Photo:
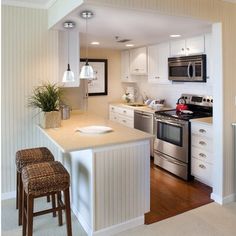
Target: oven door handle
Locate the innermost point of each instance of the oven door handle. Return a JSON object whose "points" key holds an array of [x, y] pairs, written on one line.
{"points": [[168, 159], [168, 122]]}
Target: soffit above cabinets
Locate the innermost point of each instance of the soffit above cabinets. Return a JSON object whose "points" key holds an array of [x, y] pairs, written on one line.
{"points": [[42, 4], [142, 27]]}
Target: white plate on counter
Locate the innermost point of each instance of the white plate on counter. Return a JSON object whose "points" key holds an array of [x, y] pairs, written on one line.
{"points": [[94, 129]]}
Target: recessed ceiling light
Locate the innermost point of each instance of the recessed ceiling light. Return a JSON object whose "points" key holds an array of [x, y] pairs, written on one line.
{"points": [[129, 45], [175, 35], [95, 43]]}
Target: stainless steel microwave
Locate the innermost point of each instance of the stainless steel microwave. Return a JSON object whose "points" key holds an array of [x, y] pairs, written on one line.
{"points": [[187, 68]]}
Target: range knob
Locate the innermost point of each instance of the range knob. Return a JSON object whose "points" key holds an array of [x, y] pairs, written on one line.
{"points": [[212, 100], [208, 100], [186, 97], [204, 99]]}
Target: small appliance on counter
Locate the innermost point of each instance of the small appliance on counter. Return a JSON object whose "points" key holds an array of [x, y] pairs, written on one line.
{"points": [[65, 112], [181, 104]]}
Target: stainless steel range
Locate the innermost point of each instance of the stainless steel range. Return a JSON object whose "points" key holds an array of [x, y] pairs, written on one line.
{"points": [[173, 140]]}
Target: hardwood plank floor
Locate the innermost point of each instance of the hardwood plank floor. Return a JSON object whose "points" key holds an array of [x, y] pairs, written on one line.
{"points": [[171, 195]]}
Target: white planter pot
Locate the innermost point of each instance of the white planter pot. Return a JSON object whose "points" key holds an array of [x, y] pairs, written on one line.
{"points": [[50, 119]]}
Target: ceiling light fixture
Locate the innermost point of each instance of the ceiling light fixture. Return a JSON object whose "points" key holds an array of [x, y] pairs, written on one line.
{"points": [[95, 43], [129, 45], [175, 35], [68, 74], [87, 70]]}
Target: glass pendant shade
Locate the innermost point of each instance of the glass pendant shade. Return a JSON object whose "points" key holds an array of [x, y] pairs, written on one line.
{"points": [[87, 72], [68, 75]]}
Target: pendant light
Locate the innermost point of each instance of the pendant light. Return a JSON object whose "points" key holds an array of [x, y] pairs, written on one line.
{"points": [[68, 74], [87, 70]]}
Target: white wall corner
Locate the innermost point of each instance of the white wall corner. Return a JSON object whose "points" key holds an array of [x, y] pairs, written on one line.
{"points": [[60, 10]]}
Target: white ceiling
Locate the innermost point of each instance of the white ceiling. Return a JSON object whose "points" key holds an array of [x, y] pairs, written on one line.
{"points": [[144, 28]]}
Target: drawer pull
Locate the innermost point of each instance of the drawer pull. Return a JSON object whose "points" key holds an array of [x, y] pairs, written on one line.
{"points": [[202, 143], [202, 166], [202, 131], [124, 121], [202, 155], [124, 111]]}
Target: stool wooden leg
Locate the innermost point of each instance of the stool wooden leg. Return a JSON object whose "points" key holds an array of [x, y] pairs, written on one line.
{"points": [[67, 210], [20, 194], [54, 214], [30, 210], [23, 203], [60, 221], [17, 182]]}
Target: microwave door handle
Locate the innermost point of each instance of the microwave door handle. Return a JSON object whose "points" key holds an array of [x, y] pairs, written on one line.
{"points": [[188, 70]]}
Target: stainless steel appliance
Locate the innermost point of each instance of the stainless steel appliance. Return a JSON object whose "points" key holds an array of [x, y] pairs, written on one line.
{"points": [[188, 68], [172, 142], [144, 121]]}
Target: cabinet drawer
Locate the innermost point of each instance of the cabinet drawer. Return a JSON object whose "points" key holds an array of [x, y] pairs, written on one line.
{"points": [[114, 116], [202, 171], [113, 108], [202, 143], [126, 112], [129, 122], [202, 130], [202, 154]]}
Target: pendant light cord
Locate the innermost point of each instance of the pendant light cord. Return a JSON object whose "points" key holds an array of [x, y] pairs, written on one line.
{"points": [[86, 38], [68, 49]]}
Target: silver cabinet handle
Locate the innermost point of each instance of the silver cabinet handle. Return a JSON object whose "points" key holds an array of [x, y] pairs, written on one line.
{"points": [[202, 131], [188, 49], [202, 155], [124, 111], [202, 166], [124, 121], [202, 143], [182, 49]]}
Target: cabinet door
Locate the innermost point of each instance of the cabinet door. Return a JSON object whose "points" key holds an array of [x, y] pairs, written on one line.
{"points": [[152, 64], [195, 45], [74, 56], [138, 61], [177, 48], [163, 52], [125, 63]]}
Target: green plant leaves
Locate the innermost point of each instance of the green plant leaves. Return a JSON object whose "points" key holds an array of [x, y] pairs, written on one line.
{"points": [[46, 97]]}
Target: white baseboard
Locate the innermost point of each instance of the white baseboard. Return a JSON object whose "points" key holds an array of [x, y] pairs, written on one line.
{"points": [[223, 200], [115, 229], [9, 195], [109, 230]]}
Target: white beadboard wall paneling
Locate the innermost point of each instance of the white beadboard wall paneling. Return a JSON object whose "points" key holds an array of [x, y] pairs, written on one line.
{"points": [[29, 56], [122, 177]]}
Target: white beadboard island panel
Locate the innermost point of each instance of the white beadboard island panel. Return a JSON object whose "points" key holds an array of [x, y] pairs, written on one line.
{"points": [[29, 56], [110, 186]]}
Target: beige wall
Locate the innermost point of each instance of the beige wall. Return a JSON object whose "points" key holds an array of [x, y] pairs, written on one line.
{"points": [[99, 104], [215, 11], [29, 56]]}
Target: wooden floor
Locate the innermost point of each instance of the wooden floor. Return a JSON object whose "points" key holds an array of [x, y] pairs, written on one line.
{"points": [[171, 196]]}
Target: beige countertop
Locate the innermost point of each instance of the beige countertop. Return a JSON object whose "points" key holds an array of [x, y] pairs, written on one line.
{"points": [[68, 140], [206, 120], [144, 108]]}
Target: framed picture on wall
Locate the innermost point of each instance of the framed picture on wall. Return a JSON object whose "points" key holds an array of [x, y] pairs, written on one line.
{"points": [[98, 85]]}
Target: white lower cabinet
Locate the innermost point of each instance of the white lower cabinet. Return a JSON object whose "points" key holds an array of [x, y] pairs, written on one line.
{"points": [[122, 115], [202, 152]]}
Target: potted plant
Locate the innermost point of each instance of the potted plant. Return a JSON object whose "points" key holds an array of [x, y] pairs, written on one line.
{"points": [[47, 98]]}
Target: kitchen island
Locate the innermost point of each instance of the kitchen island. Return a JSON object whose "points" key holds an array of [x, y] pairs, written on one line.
{"points": [[110, 173]]}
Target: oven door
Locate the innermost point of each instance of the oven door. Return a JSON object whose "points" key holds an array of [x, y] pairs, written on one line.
{"points": [[172, 137]]}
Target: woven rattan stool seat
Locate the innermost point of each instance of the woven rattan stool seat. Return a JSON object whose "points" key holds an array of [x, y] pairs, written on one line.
{"points": [[45, 177], [32, 155]]}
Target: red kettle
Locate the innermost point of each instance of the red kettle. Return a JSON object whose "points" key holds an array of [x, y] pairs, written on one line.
{"points": [[181, 105]]}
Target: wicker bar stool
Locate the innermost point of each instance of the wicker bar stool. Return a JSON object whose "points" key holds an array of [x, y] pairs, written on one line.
{"points": [[25, 157], [41, 180]]}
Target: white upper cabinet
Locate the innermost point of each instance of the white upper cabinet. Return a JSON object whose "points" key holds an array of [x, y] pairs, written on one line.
{"points": [[125, 66], [158, 63], [189, 46], [74, 56], [138, 61], [208, 51]]}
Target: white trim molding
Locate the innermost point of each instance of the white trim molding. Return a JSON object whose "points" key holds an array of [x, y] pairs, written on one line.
{"points": [[9, 195], [28, 4]]}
